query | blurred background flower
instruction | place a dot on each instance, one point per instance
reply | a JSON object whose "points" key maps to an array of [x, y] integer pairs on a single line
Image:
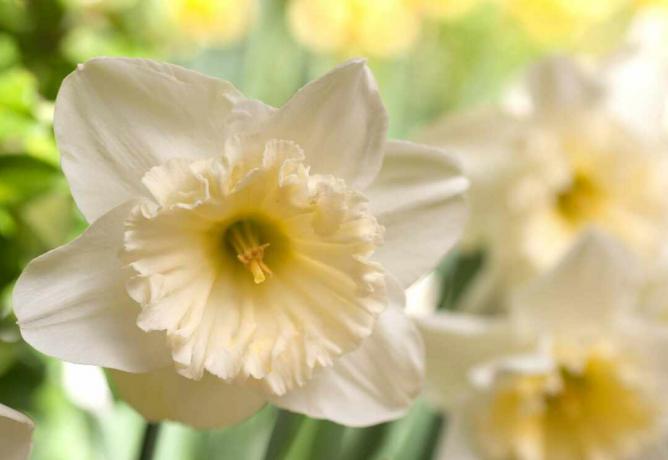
{"points": [[432, 58]]}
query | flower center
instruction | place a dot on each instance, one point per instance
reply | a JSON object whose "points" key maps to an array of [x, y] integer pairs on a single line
{"points": [[570, 413], [245, 240], [580, 200], [258, 271]]}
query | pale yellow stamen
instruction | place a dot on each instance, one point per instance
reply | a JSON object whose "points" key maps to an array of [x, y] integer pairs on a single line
{"points": [[244, 238]]}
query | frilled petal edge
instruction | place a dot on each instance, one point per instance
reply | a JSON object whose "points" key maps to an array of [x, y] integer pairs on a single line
{"points": [[373, 384]]}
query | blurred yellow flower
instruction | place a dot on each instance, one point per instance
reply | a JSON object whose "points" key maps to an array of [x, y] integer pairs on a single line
{"points": [[446, 9], [217, 21], [647, 3], [553, 22], [380, 28]]}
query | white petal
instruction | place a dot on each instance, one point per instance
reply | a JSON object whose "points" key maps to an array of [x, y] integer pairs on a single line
{"points": [[373, 384], [457, 343], [340, 122], [638, 92], [486, 142], [71, 303], [645, 339], [15, 434], [116, 118], [206, 403], [457, 440], [560, 85], [422, 296], [584, 294], [419, 197]]}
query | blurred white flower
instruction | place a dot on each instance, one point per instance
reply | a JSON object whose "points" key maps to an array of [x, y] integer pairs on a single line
{"points": [[580, 147], [87, 387], [235, 250], [572, 373], [15, 434]]}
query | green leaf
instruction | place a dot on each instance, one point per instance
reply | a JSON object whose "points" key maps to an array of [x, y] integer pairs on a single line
{"points": [[283, 436], [18, 90], [458, 271], [23, 177], [9, 51]]}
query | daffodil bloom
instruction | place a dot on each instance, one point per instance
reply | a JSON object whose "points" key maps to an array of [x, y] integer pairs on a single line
{"points": [[571, 373], [584, 148], [382, 28], [239, 253], [15, 434]]}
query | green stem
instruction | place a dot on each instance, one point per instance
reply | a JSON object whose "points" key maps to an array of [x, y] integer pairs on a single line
{"points": [[286, 428], [149, 441]]}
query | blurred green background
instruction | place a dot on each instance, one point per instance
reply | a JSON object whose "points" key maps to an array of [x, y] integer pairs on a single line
{"points": [[430, 57]]}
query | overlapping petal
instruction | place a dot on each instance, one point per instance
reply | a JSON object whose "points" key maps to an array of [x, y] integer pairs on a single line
{"points": [[72, 303], [455, 344], [116, 118], [163, 394], [584, 294], [373, 384], [340, 122], [419, 197]]}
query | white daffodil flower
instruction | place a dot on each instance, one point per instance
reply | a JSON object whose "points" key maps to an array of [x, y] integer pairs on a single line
{"points": [[15, 434], [576, 147], [571, 373], [238, 253]]}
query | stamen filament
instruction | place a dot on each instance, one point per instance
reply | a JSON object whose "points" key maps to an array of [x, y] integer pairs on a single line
{"points": [[244, 239]]}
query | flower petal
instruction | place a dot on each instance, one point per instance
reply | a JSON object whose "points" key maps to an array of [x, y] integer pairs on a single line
{"points": [[584, 294], [340, 122], [457, 441], [373, 384], [15, 434], [560, 85], [637, 86], [207, 403], [116, 118], [419, 197], [455, 344], [71, 303]]}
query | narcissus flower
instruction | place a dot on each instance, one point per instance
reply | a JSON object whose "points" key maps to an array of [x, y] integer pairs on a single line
{"points": [[382, 28], [586, 148], [572, 373], [15, 434], [239, 253]]}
